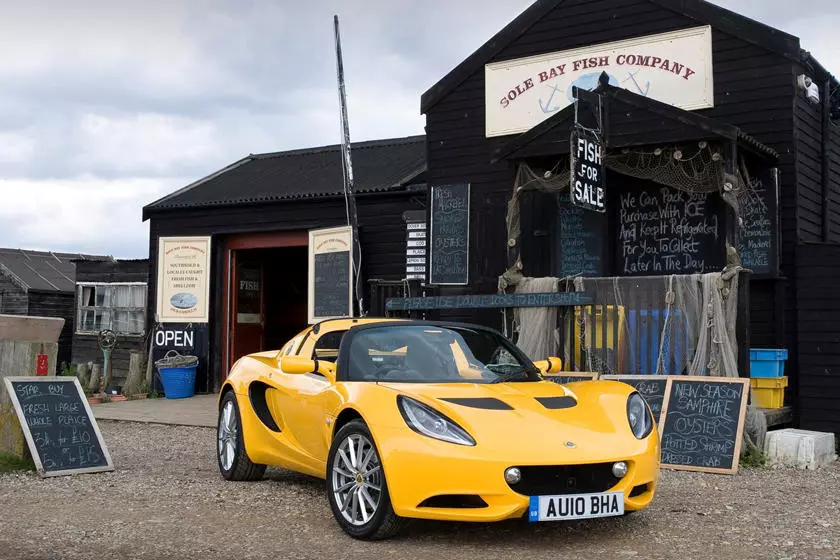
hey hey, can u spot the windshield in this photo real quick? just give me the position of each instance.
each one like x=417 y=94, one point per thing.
x=431 y=354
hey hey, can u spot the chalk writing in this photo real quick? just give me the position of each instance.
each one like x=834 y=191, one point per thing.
x=450 y=234
x=665 y=231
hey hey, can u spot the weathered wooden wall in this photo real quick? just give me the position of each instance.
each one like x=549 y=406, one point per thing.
x=381 y=232
x=818 y=309
x=85 y=347
x=56 y=304
x=13 y=298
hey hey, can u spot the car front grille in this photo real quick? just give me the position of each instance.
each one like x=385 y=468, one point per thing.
x=558 y=480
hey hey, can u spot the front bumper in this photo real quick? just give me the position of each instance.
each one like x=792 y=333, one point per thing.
x=423 y=470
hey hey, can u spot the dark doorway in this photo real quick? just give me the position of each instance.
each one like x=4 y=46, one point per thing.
x=269 y=300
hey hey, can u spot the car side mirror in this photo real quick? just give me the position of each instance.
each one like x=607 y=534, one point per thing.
x=295 y=365
x=550 y=365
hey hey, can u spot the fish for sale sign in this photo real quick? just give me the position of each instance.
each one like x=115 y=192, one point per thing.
x=588 y=171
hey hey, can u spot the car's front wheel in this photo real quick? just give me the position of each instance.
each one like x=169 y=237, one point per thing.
x=234 y=463
x=356 y=486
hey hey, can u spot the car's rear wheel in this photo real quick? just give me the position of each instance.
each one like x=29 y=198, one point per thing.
x=356 y=486
x=234 y=463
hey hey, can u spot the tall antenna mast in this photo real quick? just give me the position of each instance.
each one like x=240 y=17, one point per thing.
x=347 y=166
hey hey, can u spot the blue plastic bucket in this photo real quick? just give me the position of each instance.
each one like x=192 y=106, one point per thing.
x=178 y=382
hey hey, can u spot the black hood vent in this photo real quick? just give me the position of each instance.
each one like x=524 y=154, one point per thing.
x=483 y=403
x=557 y=403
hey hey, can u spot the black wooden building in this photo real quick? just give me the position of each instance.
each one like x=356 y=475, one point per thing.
x=771 y=104
x=663 y=81
x=258 y=213
x=110 y=294
x=41 y=284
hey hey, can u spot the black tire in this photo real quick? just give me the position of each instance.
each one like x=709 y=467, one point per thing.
x=241 y=468
x=384 y=523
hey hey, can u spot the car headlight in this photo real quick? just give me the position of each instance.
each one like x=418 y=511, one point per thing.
x=639 y=416
x=429 y=422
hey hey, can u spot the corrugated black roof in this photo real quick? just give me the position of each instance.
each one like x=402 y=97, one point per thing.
x=42 y=271
x=379 y=165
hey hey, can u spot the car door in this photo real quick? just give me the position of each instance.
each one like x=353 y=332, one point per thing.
x=308 y=398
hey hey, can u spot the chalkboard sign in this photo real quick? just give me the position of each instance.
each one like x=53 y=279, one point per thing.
x=580 y=236
x=758 y=234
x=59 y=426
x=563 y=378
x=450 y=235
x=702 y=423
x=651 y=387
x=665 y=231
x=332 y=284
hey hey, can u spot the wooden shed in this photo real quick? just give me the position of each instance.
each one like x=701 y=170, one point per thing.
x=678 y=78
x=256 y=215
x=110 y=295
x=41 y=284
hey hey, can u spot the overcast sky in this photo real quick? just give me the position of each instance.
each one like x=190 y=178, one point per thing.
x=107 y=105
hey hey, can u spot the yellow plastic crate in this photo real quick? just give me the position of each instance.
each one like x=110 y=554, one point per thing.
x=769 y=392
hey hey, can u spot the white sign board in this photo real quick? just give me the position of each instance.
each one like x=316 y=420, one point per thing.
x=183 y=280
x=330 y=273
x=674 y=68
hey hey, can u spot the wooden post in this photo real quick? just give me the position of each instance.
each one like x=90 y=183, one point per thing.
x=83 y=373
x=95 y=378
x=742 y=324
x=134 y=382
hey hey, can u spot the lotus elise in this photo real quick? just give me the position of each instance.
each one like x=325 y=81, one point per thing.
x=412 y=419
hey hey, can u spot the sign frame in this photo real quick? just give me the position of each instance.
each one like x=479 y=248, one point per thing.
x=341 y=234
x=666 y=378
x=27 y=432
x=521 y=93
x=203 y=292
x=742 y=420
x=431 y=238
x=595 y=138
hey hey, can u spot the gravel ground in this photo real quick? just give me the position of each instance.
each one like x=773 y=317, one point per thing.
x=166 y=500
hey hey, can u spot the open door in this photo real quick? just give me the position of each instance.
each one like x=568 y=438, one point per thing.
x=248 y=317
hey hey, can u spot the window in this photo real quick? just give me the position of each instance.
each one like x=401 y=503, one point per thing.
x=326 y=347
x=117 y=307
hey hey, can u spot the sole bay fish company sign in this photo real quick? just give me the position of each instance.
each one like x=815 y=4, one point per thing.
x=674 y=68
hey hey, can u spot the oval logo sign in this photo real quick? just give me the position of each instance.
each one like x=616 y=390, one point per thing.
x=183 y=300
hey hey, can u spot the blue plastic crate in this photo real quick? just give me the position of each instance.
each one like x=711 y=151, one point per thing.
x=767 y=362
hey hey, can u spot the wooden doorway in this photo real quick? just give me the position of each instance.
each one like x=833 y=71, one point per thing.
x=247 y=289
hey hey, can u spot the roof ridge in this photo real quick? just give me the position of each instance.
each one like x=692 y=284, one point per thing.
x=363 y=144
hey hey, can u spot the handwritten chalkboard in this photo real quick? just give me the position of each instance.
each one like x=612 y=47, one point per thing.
x=563 y=378
x=59 y=426
x=651 y=387
x=666 y=231
x=758 y=246
x=450 y=234
x=702 y=423
x=332 y=284
x=580 y=236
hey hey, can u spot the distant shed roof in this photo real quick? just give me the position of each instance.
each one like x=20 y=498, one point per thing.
x=42 y=271
x=378 y=166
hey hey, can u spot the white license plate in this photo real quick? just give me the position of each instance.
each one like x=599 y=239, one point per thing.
x=576 y=506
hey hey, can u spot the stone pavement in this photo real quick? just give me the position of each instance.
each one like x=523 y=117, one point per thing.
x=199 y=410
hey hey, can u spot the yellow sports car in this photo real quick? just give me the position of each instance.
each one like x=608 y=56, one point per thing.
x=414 y=419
